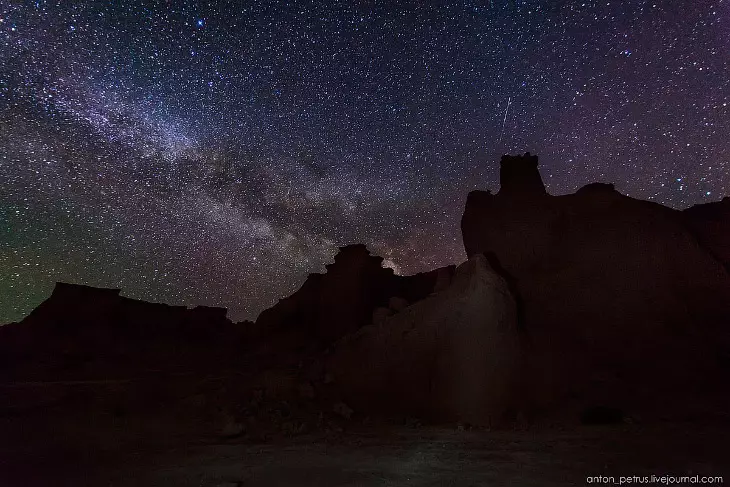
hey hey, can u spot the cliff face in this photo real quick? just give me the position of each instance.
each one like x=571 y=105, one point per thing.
x=605 y=282
x=711 y=223
x=453 y=356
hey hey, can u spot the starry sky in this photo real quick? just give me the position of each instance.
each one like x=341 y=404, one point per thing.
x=217 y=152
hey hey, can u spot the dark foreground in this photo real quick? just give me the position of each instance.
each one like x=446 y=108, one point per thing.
x=394 y=457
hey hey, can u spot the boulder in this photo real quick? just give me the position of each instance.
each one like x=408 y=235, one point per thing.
x=231 y=427
x=343 y=410
x=306 y=390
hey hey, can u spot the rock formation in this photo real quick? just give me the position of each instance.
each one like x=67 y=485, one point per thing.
x=519 y=178
x=618 y=296
x=453 y=356
x=332 y=305
x=591 y=304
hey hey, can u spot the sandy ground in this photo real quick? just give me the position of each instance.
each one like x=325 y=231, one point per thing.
x=61 y=434
x=404 y=457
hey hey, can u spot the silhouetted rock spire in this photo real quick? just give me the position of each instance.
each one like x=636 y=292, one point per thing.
x=519 y=176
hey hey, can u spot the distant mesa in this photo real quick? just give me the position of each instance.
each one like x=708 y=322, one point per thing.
x=71 y=301
x=83 y=331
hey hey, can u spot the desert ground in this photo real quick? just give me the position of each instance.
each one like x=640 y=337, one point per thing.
x=74 y=453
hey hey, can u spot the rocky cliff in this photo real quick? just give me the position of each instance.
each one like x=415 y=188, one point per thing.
x=622 y=299
x=453 y=356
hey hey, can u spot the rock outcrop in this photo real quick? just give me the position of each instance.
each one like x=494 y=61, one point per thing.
x=329 y=306
x=453 y=356
x=619 y=298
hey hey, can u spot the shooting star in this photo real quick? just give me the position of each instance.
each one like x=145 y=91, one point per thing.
x=504 y=122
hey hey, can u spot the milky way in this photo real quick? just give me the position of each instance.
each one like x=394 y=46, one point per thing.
x=218 y=152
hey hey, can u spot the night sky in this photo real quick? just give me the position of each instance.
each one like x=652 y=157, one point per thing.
x=218 y=152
